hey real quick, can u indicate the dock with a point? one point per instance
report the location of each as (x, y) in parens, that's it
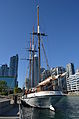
(10, 109)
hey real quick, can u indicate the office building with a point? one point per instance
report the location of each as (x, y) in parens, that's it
(73, 82)
(70, 69)
(14, 66)
(4, 70)
(45, 74)
(60, 83)
(9, 80)
(58, 70)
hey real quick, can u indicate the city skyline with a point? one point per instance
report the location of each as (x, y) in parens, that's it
(10, 73)
(58, 19)
(11, 69)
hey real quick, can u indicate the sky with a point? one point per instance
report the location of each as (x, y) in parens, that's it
(59, 19)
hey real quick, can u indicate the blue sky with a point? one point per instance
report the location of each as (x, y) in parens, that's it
(58, 18)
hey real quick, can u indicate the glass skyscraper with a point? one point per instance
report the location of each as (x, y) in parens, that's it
(13, 70)
(9, 80)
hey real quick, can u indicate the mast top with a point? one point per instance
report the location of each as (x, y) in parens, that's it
(37, 6)
(38, 19)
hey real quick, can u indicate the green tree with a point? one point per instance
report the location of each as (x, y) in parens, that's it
(19, 90)
(15, 90)
(3, 87)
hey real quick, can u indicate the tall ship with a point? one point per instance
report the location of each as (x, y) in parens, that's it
(46, 94)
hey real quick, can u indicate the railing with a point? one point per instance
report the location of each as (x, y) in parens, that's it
(10, 117)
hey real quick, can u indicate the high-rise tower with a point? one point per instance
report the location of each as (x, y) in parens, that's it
(70, 69)
(4, 70)
(14, 67)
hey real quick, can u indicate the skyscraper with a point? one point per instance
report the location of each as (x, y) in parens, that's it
(14, 66)
(70, 69)
(4, 70)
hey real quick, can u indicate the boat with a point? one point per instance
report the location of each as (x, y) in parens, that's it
(46, 94)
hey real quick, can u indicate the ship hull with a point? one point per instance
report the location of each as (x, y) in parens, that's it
(43, 99)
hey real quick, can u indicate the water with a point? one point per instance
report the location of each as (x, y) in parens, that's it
(67, 108)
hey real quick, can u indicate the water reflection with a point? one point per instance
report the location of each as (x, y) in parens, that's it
(36, 113)
(67, 108)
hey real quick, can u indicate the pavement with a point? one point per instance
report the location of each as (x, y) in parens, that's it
(3, 99)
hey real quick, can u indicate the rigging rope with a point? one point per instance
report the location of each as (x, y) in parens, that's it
(45, 54)
(26, 75)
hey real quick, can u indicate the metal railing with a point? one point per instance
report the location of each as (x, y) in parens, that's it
(10, 117)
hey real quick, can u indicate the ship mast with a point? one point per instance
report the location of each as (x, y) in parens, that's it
(33, 50)
(33, 59)
(30, 64)
(38, 33)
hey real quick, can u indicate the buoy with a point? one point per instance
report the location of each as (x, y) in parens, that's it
(52, 108)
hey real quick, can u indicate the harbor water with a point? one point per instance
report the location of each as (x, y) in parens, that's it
(67, 108)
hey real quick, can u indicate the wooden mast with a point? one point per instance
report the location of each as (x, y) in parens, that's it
(30, 64)
(38, 32)
(33, 59)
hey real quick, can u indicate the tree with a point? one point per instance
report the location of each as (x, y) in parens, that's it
(3, 87)
(17, 90)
